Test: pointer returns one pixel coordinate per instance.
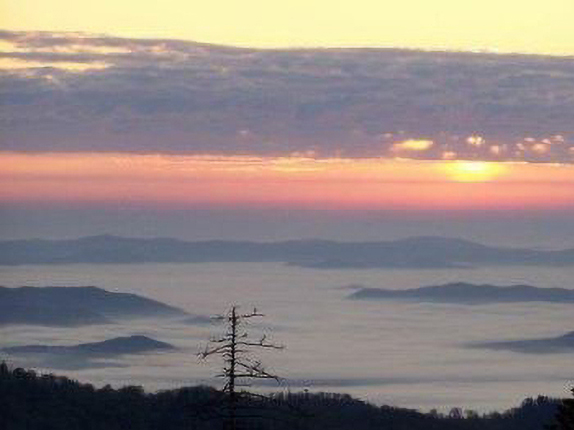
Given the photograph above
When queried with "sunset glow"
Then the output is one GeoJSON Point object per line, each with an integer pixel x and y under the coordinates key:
{"type": "Point", "coordinates": [475, 171]}
{"type": "Point", "coordinates": [15, 64]}
{"type": "Point", "coordinates": [283, 182]}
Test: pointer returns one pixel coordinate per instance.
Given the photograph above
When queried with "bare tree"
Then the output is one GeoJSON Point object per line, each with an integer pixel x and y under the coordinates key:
{"type": "Point", "coordinates": [236, 348]}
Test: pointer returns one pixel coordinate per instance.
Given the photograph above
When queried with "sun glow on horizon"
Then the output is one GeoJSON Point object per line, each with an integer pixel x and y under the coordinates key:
{"type": "Point", "coordinates": [296, 182]}
{"type": "Point", "coordinates": [475, 171]}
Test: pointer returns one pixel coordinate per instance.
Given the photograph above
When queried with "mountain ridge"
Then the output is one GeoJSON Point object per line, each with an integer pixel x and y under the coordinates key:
{"type": "Point", "coordinates": [134, 344]}
{"type": "Point", "coordinates": [76, 306]}
{"type": "Point", "coordinates": [545, 345]}
{"type": "Point", "coordinates": [468, 294]}
{"type": "Point", "coordinates": [413, 252]}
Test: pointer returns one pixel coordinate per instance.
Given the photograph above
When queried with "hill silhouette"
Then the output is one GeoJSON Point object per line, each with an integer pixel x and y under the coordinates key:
{"type": "Point", "coordinates": [107, 353]}
{"type": "Point", "coordinates": [76, 306]}
{"type": "Point", "coordinates": [468, 294]}
{"type": "Point", "coordinates": [111, 347]}
{"type": "Point", "coordinates": [418, 252]}
{"type": "Point", "coordinates": [549, 345]}
{"type": "Point", "coordinates": [33, 402]}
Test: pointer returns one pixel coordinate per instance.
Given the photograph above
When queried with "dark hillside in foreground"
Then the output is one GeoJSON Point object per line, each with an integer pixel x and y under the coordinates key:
{"type": "Point", "coordinates": [417, 252]}
{"type": "Point", "coordinates": [33, 402]}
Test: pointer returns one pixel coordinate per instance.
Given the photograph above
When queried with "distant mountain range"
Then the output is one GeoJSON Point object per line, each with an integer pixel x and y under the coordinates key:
{"type": "Point", "coordinates": [470, 294]}
{"type": "Point", "coordinates": [76, 306]}
{"type": "Point", "coordinates": [111, 347]}
{"type": "Point", "coordinates": [418, 252]}
{"type": "Point", "coordinates": [550, 345]}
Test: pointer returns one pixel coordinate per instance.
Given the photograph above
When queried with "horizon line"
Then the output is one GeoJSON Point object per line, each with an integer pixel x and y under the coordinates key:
{"type": "Point", "coordinates": [485, 51]}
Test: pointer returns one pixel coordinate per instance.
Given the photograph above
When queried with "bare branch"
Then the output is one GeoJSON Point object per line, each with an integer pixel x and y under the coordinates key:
{"type": "Point", "coordinates": [235, 347]}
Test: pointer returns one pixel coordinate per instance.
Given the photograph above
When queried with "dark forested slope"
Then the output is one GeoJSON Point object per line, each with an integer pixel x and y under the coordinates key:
{"type": "Point", "coordinates": [30, 401]}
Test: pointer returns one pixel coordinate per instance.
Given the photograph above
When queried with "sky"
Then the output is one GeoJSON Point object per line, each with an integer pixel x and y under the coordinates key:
{"type": "Point", "coordinates": [529, 26]}
{"type": "Point", "coordinates": [228, 119]}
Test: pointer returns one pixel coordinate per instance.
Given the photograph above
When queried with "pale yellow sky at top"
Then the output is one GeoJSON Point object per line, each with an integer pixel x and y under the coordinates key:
{"type": "Point", "coordinates": [529, 26]}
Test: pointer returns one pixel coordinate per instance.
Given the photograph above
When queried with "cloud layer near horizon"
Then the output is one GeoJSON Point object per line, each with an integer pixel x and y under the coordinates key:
{"type": "Point", "coordinates": [81, 92]}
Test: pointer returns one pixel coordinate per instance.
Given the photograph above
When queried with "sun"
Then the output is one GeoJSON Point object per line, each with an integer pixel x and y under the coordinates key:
{"type": "Point", "coordinates": [474, 171]}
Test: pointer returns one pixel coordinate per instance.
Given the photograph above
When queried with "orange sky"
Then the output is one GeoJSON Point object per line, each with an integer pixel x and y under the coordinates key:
{"type": "Point", "coordinates": [283, 182]}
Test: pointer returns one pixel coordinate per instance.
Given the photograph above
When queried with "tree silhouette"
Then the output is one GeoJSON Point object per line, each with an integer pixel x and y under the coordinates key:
{"type": "Point", "coordinates": [565, 416]}
{"type": "Point", "coordinates": [32, 401]}
{"type": "Point", "coordinates": [236, 348]}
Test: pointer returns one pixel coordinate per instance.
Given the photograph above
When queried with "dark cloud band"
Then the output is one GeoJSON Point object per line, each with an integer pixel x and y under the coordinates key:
{"type": "Point", "coordinates": [81, 92]}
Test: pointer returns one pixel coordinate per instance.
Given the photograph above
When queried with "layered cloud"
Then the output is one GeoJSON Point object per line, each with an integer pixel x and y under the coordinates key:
{"type": "Point", "coordinates": [82, 92]}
